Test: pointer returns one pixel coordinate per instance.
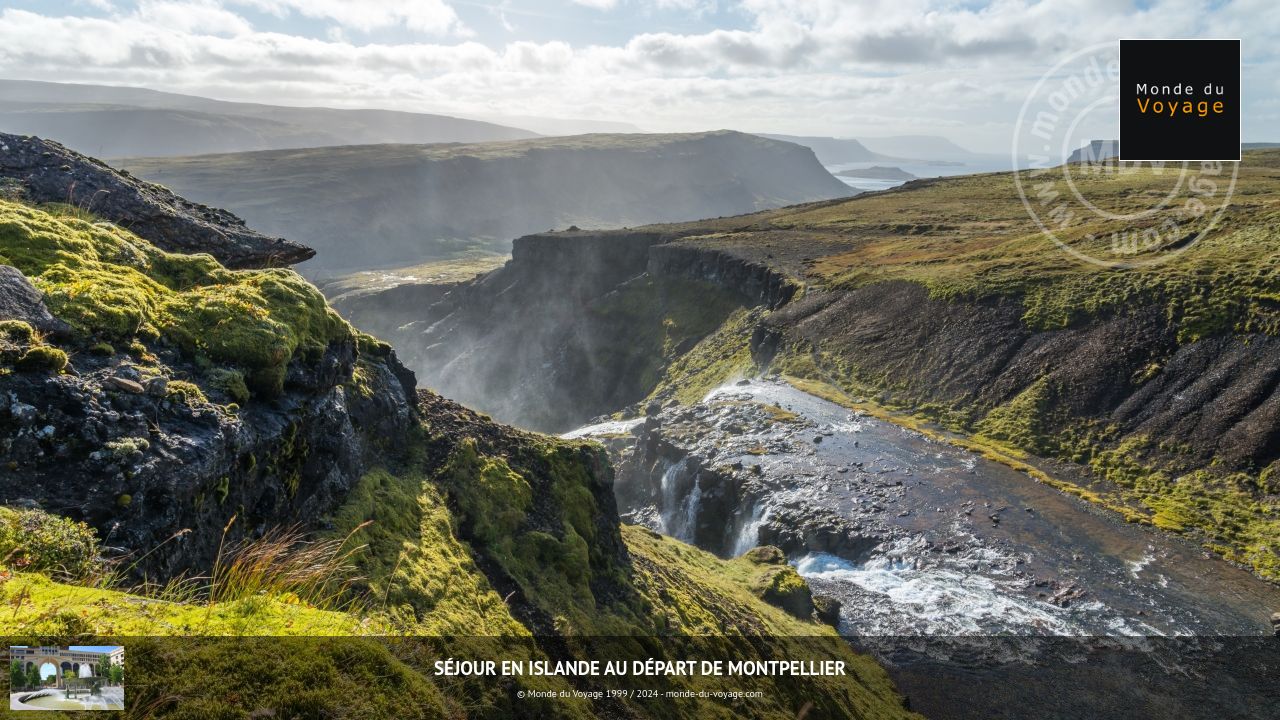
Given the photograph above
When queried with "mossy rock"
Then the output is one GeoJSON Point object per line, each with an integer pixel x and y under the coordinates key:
{"type": "Point", "coordinates": [184, 391]}
{"type": "Point", "coordinates": [112, 286]}
{"type": "Point", "coordinates": [765, 555]}
{"type": "Point", "coordinates": [42, 358]}
{"type": "Point", "coordinates": [230, 382]}
{"type": "Point", "coordinates": [784, 588]}
{"type": "Point", "coordinates": [39, 541]}
{"type": "Point", "coordinates": [17, 331]}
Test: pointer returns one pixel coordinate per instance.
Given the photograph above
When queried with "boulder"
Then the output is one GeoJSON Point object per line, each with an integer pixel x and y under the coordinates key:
{"type": "Point", "coordinates": [44, 171]}
{"type": "Point", "coordinates": [20, 300]}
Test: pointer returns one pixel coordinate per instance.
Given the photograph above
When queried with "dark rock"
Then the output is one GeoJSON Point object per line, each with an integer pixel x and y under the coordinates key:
{"type": "Point", "coordinates": [827, 609]}
{"type": "Point", "coordinates": [20, 300]}
{"type": "Point", "coordinates": [124, 384]}
{"type": "Point", "coordinates": [150, 211]}
{"type": "Point", "coordinates": [157, 386]}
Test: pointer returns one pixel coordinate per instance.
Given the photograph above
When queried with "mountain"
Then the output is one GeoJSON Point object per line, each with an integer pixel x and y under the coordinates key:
{"type": "Point", "coordinates": [214, 454]}
{"type": "Point", "coordinates": [920, 147]}
{"type": "Point", "coordinates": [831, 151]}
{"type": "Point", "coordinates": [376, 206]}
{"type": "Point", "coordinates": [1096, 151]}
{"type": "Point", "coordinates": [108, 121]}
{"type": "Point", "coordinates": [564, 126]}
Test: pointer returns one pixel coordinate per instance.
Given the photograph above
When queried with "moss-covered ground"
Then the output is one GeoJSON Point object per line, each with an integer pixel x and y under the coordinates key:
{"type": "Point", "coordinates": [116, 289]}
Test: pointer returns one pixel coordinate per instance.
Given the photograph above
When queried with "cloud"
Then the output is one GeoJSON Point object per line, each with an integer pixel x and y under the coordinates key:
{"type": "Point", "coordinates": [426, 16]}
{"type": "Point", "coordinates": [192, 16]}
{"type": "Point", "coordinates": [597, 4]}
{"type": "Point", "coordinates": [801, 66]}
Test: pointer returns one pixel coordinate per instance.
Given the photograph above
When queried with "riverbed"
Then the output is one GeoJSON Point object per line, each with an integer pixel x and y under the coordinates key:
{"type": "Point", "coordinates": [941, 541]}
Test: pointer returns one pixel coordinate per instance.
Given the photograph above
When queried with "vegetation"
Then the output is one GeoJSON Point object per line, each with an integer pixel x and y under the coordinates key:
{"type": "Point", "coordinates": [112, 286]}
{"type": "Point", "coordinates": [649, 324]}
{"type": "Point", "coordinates": [716, 359]}
{"type": "Point", "coordinates": [36, 541]}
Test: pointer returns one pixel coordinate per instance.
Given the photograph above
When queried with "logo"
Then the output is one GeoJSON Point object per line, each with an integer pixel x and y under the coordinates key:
{"type": "Point", "coordinates": [1098, 208]}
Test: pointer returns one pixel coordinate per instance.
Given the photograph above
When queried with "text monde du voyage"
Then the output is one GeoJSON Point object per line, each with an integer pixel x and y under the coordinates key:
{"type": "Point", "coordinates": [1181, 99]}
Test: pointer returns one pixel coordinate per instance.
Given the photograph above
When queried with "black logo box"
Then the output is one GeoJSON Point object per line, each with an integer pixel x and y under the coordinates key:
{"type": "Point", "coordinates": [1180, 65]}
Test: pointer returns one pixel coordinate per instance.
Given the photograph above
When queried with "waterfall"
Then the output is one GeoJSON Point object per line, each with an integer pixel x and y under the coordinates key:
{"type": "Point", "coordinates": [689, 527]}
{"type": "Point", "coordinates": [749, 534]}
{"type": "Point", "coordinates": [670, 492]}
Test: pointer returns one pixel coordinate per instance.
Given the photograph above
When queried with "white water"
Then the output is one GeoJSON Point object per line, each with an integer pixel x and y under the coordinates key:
{"type": "Point", "coordinates": [749, 535]}
{"type": "Point", "coordinates": [690, 515]}
{"type": "Point", "coordinates": [670, 501]}
{"type": "Point", "coordinates": [612, 427]}
{"type": "Point", "coordinates": [936, 601]}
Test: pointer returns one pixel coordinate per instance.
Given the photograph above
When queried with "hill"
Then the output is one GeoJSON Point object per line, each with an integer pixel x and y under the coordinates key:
{"type": "Point", "coordinates": [108, 121]}
{"type": "Point", "coordinates": [365, 207]}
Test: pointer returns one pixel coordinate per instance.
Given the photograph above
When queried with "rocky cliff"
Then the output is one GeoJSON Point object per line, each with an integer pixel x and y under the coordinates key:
{"type": "Point", "coordinates": [378, 206]}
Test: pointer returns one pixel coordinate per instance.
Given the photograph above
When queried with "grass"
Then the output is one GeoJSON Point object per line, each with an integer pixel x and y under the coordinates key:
{"type": "Point", "coordinates": [283, 562]}
{"type": "Point", "coordinates": [969, 238]}
{"type": "Point", "coordinates": [36, 605]}
{"type": "Point", "coordinates": [719, 357]}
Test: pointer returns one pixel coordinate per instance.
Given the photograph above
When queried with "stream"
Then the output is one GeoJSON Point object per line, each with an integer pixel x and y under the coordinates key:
{"type": "Point", "coordinates": [922, 541]}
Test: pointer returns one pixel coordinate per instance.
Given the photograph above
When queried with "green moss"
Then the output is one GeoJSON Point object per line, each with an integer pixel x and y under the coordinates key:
{"type": "Point", "coordinates": [185, 392]}
{"type": "Point", "coordinates": [102, 349]}
{"type": "Point", "coordinates": [18, 331]}
{"type": "Point", "coordinates": [1023, 420]}
{"type": "Point", "coordinates": [109, 612]}
{"type": "Point", "coordinates": [125, 448]}
{"type": "Point", "coordinates": [37, 541]}
{"type": "Point", "coordinates": [414, 565]}
{"type": "Point", "coordinates": [783, 587]}
{"type": "Point", "coordinates": [42, 358]}
{"type": "Point", "coordinates": [230, 382]}
{"type": "Point", "coordinates": [110, 285]}
{"type": "Point", "coordinates": [370, 345]}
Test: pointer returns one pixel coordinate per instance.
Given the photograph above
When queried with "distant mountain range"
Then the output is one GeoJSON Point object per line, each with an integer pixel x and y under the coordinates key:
{"type": "Point", "coordinates": [920, 147]}
{"type": "Point", "coordinates": [840, 151]}
{"type": "Point", "coordinates": [831, 151]}
{"type": "Point", "coordinates": [106, 121]}
{"type": "Point", "coordinates": [380, 206]}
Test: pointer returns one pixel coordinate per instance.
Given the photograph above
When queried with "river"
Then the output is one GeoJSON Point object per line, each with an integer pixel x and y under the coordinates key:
{"type": "Point", "coordinates": [922, 540]}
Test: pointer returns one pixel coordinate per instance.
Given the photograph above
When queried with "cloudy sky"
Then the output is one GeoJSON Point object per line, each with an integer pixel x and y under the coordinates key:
{"type": "Point", "coordinates": [825, 67]}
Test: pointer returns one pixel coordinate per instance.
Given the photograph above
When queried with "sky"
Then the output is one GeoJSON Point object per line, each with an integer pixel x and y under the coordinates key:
{"type": "Point", "coordinates": [807, 67]}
